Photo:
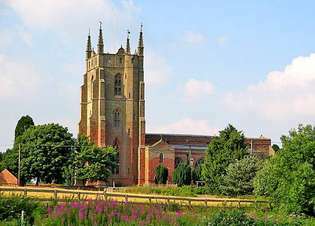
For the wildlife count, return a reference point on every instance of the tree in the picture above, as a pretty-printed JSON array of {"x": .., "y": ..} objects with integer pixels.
[
  {"x": 2, "y": 167},
  {"x": 161, "y": 174},
  {"x": 275, "y": 147},
  {"x": 45, "y": 151},
  {"x": 182, "y": 174},
  {"x": 23, "y": 124},
  {"x": 222, "y": 150},
  {"x": 92, "y": 162},
  {"x": 289, "y": 176},
  {"x": 240, "y": 175},
  {"x": 196, "y": 172}
]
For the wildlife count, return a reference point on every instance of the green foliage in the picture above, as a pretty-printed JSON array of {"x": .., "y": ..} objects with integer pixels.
[
  {"x": 11, "y": 208},
  {"x": 45, "y": 152},
  {"x": 2, "y": 165},
  {"x": 238, "y": 217},
  {"x": 92, "y": 162},
  {"x": 161, "y": 174},
  {"x": 231, "y": 218},
  {"x": 289, "y": 177},
  {"x": 23, "y": 124},
  {"x": 196, "y": 173},
  {"x": 275, "y": 147},
  {"x": 239, "y": 176},
  {"x": 222, "y": 150},
  {"x": 10, "y": 160},
  {"x": 165, "y": 190},
  {"x": 182, "y": 174}
]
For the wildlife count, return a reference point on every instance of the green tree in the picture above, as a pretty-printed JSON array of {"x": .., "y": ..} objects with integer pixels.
[
  {"x": 10, "y": 160},
  {"x": 222, "y": 150},
  {"x": 2, "y": 167},
  {"x": 23, "y": 124},
  {"x": 92, "y": 162},
  {"x": 196, "y": 172},
  {"x": 289, "y": 176},
  {"x": 275, "y": 147},
  {"x": 161, "y": 174},
  {"x": 182, "y": 174},
  {"x": 239, "y": 176},
  {"x": 45, "y": 151}
]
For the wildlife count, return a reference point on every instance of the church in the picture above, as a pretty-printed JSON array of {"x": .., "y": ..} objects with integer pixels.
[{"x": 113, "y": 113}]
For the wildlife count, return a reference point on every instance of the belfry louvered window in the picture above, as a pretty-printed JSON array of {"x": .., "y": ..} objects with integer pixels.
[{"x": 118, "y": 84}]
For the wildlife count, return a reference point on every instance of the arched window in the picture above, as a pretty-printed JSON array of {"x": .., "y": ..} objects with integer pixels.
[
  {"x": 117, "y": 90},
  {"x": 161, "y": 157},
  {"x": 116, "y": 118}
]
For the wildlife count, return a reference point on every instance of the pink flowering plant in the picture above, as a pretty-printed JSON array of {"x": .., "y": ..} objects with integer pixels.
[{"x": 99, "y": 212}]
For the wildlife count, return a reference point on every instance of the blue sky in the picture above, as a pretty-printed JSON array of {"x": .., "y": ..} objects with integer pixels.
[{"x": 207, "y": 63}]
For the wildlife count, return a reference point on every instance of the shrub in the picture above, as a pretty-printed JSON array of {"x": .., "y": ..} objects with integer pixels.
[
  {"x": 11, "y": 208},
  {"x": 182, "y": 174},
  {"x": 232, "y": 217},
  {"x": 239, "y": 176},
  {"x": 161, "y": 174}
]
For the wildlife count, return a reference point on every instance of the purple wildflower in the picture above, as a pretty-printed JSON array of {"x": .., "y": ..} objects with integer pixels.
[{"x": 81, "y": 213}]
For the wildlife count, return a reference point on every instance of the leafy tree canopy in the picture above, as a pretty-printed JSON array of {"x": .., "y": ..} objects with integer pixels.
[
  {"x": 222, "y": 150},
  {"x": 240, "y": 175},
  {"x": 275, "y": 147},
  {"x": 161, "y": 174},
  {"x": 2, "y": 166},
  {"x": 23, "y": 124},
  {"x": 182, "y": 174},
  {"x": 94, "y": 163},
  {"x": 45, "y": 151},
  {"x": 289, "y": 176}
]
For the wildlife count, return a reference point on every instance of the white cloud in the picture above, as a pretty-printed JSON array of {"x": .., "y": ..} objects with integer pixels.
[
  {"x": 282, "y": 95},
  {"x": 72, "y": 14},
  {"x": 17, "y": 79},
  {"x": 195, "y": 89},
  {"x": 194, "y": 37},
  {"x": 157, "y": 71},
  {"x": 188, "y": 126}
]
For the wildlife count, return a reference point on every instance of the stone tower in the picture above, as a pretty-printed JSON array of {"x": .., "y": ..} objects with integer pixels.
[{"x": 112, "y": 105}]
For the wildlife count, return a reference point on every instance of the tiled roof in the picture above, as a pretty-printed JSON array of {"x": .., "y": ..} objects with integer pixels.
[
  {"x": 186, "y": 139},
  {"x": 177, "y": 139}
]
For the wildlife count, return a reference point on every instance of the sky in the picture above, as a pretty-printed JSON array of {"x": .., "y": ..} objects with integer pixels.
[{"x": 207, "y": 63}]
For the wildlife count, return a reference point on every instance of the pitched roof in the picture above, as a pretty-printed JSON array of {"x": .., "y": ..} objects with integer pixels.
[
  {"x": 6, "y": 177},
  {"x": 188, "y": 139}
]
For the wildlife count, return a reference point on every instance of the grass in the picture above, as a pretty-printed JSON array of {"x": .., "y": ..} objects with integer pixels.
[{"x": 156, "y": 192}]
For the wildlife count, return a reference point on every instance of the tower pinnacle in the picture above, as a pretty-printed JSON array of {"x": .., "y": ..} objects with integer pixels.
[
  {"x": 88, "y": 46},
  {"x": 140, "y": 44},
  {"x": 100, "y": 45},
  {"x": 128, "y": 42}
]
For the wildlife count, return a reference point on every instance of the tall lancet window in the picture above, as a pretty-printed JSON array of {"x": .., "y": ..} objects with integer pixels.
[
  {"x": 117, "y": 85},
  {"x": 116, "y": 118}
]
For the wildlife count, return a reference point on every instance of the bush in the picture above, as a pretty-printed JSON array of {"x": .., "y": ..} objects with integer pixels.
[
  {"x": 232, "y": 217},
  {"x": 289, "y": 177},
  {"x": 11, "y": 208},
  {"x": 239, "y": 176},
  {"x": 161, "y": 174},
  {"x": 182, "y": 174}
]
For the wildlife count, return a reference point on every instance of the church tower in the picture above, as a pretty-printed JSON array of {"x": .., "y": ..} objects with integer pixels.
[{"x": 112, "y": 105}]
